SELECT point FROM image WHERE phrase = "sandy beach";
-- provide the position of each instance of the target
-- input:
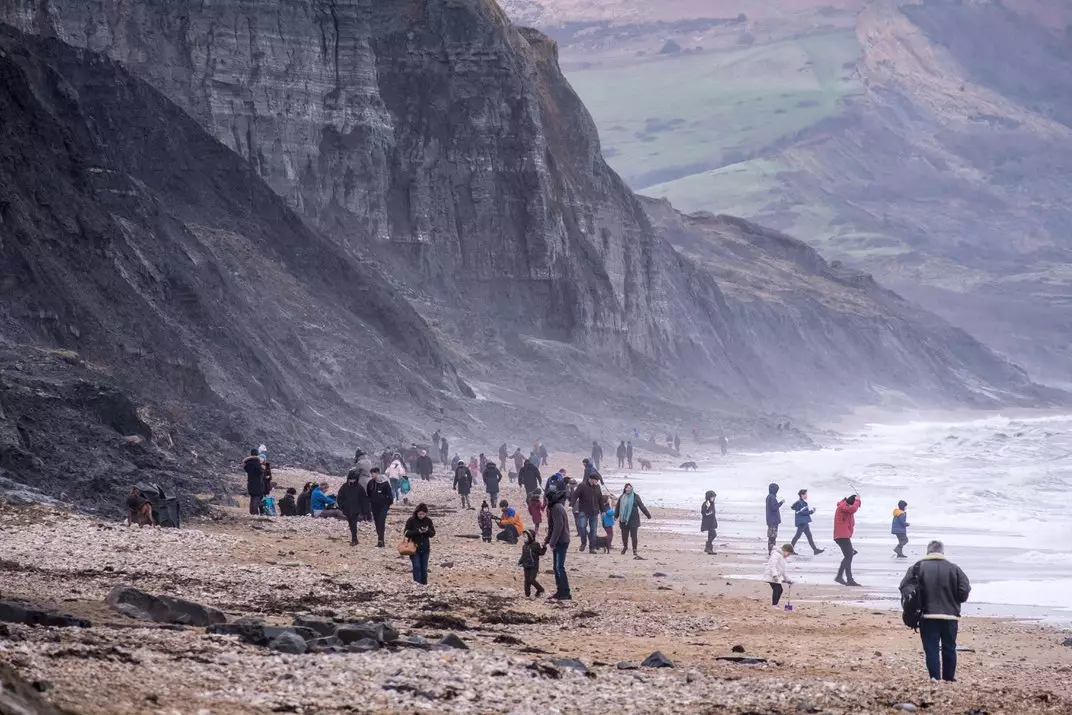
(822, 657)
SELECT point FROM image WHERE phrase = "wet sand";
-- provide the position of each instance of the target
(822, 657)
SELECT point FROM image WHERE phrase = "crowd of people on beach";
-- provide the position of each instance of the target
(564, 507)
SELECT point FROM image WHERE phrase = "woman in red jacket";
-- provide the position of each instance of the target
(844, 525)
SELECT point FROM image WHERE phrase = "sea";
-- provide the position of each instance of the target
(996, 491)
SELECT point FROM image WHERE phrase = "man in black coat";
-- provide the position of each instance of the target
(463, 483)
(529, 477)
(351, 500)
(254, 481)
(943, 587)
(492, 478)
(381, 498)
(423, 465)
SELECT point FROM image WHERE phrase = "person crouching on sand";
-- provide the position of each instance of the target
(774, 573)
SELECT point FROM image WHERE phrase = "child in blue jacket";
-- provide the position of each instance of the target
(900, 528)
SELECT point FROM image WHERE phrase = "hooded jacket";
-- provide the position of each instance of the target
(774, 506)
(900, 522)
(254, 475)
(588, 468)
(423, 465)
(362, 469)
(803, 513)
(463, 480)
(529, 477)
(492, 478)
(519, 460)
(396, 470)
(351, 497)
(530, 555)
(588, 499)
(845, 519)
(380, 495)
(943, 584)
(512, 519)
(775, 569)
(484, 520)
(708, 516)
(558, 532)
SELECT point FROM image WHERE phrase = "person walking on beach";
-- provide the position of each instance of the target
(503, 454)
(424, 465)
(802, 520)
(597, 455)
(844, 526)
(709, 521)
(587, 501)
(900, 528)
(607, 518)
(942, 587)
(492, 479)
(419, 529)
(531, 551)
(774, 516)
(395, 471)
(541, 449)
(629, 453)
(529, 477)
(620, 453)
(351, 499)
(463, 484)
(723, 444)
(677, 444)
(774, 573)
(628, 510)
(254, 469)
(558, 539)
(444, 450)
(362, 471)
(535, 501)
(519, 460)
(381, 497)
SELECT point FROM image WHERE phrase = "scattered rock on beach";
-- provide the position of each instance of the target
(570, 664)
(660, 574)
(626, 665)
(322, 626)
(288, 642)
(452, 640)
(13, 612)
(1067, 642)
(737, 649)
(616, 575)
(162, 609)
(906, 707)
(657, 660)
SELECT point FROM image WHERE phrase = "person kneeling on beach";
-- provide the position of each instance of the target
(531, 551)
(774, 574)
(511, 524)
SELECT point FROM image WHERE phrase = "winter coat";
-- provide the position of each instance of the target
(419, 531)
(287, 506)
(629, 451)
(944, 587)
(463, 480)
(319, 501)
(621, 451)
(803, 513)
(530, 556)
(363, 470)
(380, 495)
(558, 531)
(529, 477)
(519, 461)
(503, 455)
(588, 499)
(900, 522)
(774, 506)
(484, 520)
(638, 506)
(492, 478)
(254, 475)
(589, 467)
(775, 569)
(608, 518)
(597, 453)
(396, 470)
(423, 465)
(845, 519)
(351, 498)
(708, 515)
(303, 503)
(536, 511)
(514, 521)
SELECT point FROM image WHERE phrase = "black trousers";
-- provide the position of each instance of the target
(531, 583)
(255, 504)
(711, 534)
(380, 517)
(804, 530)
(845, 570)
(352, 520)
(776, 593)
(629, 531)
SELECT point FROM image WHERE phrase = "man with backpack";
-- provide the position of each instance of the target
(932, 592)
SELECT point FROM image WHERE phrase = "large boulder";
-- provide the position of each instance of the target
(12, 612)
(288, 642)
(379, 632)
(162, 609)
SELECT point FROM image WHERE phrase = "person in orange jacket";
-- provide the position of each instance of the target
(844, 526)
(511, 524)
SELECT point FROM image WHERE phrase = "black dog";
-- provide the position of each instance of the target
(602, 543)
(644, 464)
(689, 465)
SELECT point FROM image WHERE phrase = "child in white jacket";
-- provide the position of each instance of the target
(774, 573)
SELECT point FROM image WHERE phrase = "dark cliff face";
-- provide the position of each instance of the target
(437, 140)
(149, 277)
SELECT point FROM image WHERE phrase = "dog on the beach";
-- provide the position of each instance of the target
(602, 543)
(689, 465)
(645, 465)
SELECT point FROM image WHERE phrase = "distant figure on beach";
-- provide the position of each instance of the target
(597, 455)
(587, 501)
(558, 539)
(774, 573)
(589, 467)
(381, 497)
(774, 516)
(628, 511)
(709, 521)
(483, 462)
(542, 451)
(492, 478)
(424, 465)
(254, 469)
(519, 460)
(620, 453)
(535, 502)
(362, 470)
(443, 450)
(531, 551)
(139, 509)
(802, 520)
(942, 587)
(844, 526)
(351, 499)
(395, 471)
(435, 438)
(485, 521)
(529, 477)
(419, 529)
(463, 484)
(503, 454)
(677, 444)
(607, 517)
(723, 444)
(629, 453)
(900, 528)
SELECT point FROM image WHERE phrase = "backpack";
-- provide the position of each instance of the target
(912, 599)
